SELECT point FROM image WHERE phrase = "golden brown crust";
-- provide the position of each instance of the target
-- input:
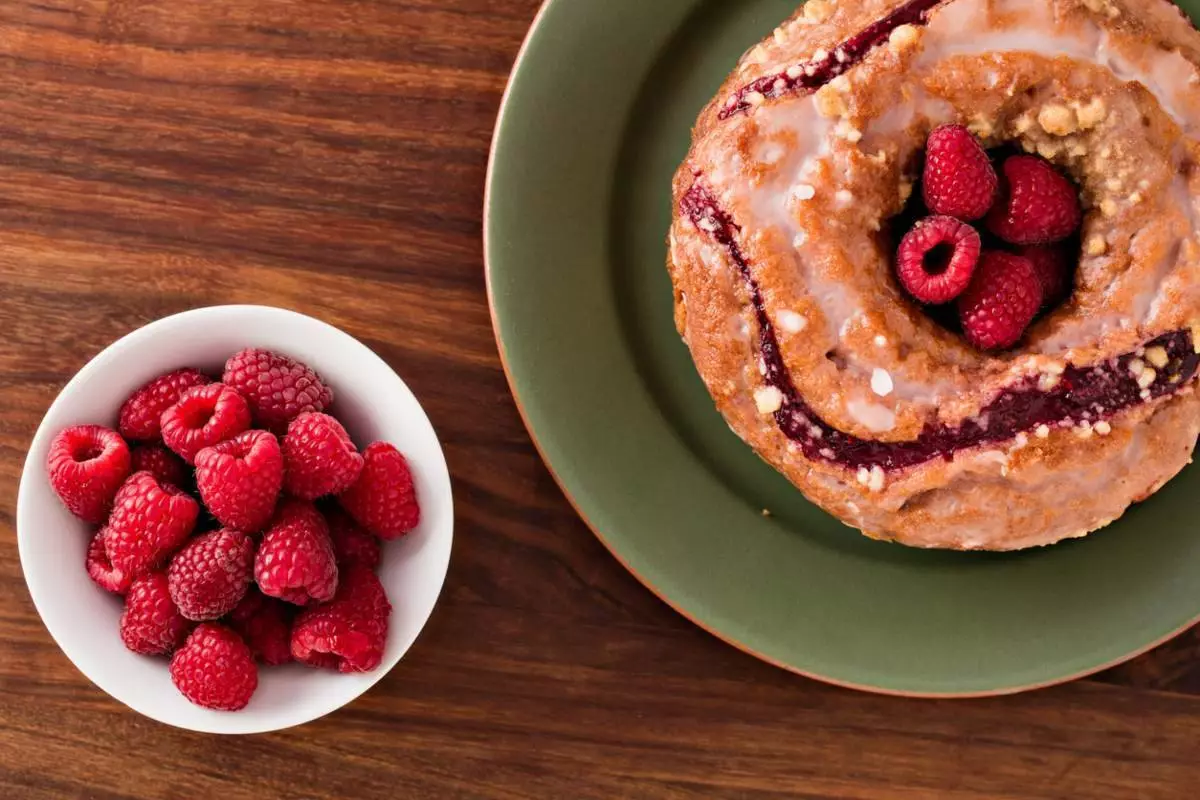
(812, 181)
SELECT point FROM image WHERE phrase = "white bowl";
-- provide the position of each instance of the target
(372, 402)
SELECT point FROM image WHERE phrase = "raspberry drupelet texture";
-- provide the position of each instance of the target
(149, 521)
(209, 576)
(215, 669)
(1037, 204)
(151, 623)
(141, 414)
(156, 459)
(383, 499)
(100, 568)
(352, 543)
(203, 417)
(959, 179)
(320, 459)
(1052, 263)
(1001, 301)
(937, 258)
(295, 561)
(265, 624)
(278, 388)
(350, 633)
(87, 465)
(239, 479)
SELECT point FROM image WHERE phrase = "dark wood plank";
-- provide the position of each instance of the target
(329, 156)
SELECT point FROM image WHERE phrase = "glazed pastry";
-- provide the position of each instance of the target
(783, 246)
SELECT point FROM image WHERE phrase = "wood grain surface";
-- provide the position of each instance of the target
(329, 156)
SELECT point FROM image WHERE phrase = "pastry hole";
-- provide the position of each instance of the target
(837, 359)
(921, 500)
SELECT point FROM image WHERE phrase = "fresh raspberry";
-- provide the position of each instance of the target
(350, 633)
(87, 464)
(157, 459)
(1037, 204)
(1052, 263)
(266, 626)
(239, 479)
(1001, 301)
(203, 417)
(959, 180)
(320, 457)
(141, 414)
(278, 388)
(101, 570)
(215, 668)
(149, 521)
(352, 544)
(937, 258)
(209, 576)
(151, 624)
(295, 561)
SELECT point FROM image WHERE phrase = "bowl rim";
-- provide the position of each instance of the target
(224, 722)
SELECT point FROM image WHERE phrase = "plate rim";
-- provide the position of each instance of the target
(516, 71)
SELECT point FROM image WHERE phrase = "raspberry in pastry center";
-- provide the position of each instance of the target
(1077, 396)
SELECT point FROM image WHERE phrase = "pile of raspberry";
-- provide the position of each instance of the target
(1017, 264)
(240, 523)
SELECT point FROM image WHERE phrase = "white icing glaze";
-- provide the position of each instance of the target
(872, 416)
(791, 322)
(772, 201)
(881, 382)
(1166, 74)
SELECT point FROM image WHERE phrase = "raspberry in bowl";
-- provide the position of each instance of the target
(142, 544)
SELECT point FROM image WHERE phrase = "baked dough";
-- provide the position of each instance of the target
(781, 257)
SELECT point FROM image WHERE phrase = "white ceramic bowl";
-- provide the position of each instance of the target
(372, 402)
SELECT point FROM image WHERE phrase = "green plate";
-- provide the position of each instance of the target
(597, 117)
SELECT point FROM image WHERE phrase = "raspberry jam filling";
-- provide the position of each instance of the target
(808, 77)
(1081, 395)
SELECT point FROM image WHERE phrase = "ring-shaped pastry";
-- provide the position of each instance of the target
(781, 256)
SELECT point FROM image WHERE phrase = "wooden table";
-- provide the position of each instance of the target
(328, 156)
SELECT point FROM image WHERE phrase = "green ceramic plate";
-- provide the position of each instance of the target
(597, 117)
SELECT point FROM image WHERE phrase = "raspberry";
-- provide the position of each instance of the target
(959, 180)
(161, 462)
(320, 457)
(215, 668)
(141, 414)
(101, 570)
(350, 633)
(937, 258)
(383, 499)
(351, 543)
(203, 417)
(87, 464)
(239, 479)
(266, 626)
(277, 388)
(295, 561)
(1037, 204)
(1053, 267)
(209, 576)
(1001, 301)
(151, 624)
(149, 521)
